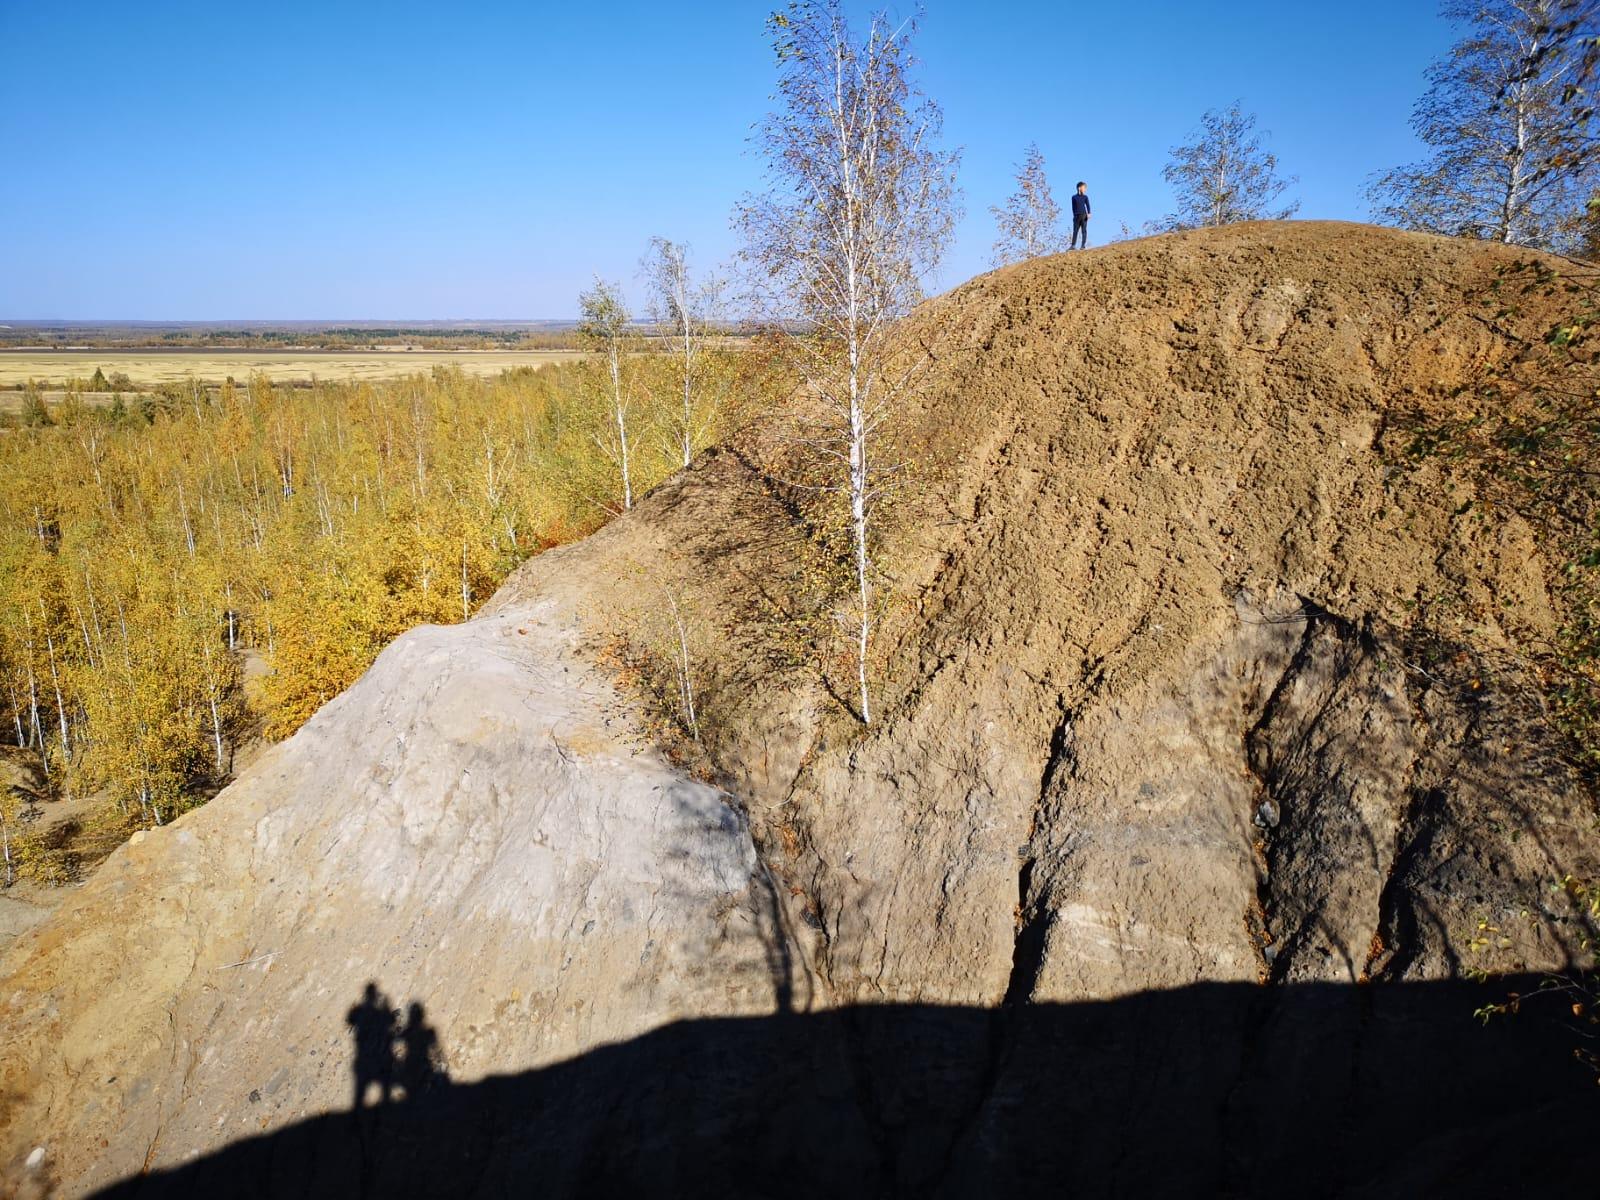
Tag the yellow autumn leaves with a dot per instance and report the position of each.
(179, 573)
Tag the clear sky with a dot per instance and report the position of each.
(395, 160)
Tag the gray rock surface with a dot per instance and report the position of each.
(476, 826)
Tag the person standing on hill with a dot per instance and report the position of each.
(1080, 215)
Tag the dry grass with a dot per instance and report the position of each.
(149, 369)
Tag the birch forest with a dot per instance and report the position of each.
(185, 574)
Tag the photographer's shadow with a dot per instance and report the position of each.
(401, 1062)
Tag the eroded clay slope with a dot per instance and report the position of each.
(476, 826)
(1194, 674)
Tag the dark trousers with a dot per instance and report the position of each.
(1080, 225)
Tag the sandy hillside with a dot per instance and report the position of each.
(1192, 665)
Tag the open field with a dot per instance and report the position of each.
(152, 368)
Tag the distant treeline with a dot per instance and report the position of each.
(556, 336)
(289, 336)
(358, 337)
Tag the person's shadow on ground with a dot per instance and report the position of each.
(389, 1057)
(421, 1068)
(372, 1025)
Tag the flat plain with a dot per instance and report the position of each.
(51, 369)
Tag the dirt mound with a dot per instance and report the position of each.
(1194, 678)
(1187, 682)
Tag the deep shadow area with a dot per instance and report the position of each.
(1214, 1089)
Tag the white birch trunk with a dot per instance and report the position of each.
(216, 730)
(685, 679)
(61, 704)
(688, 375)
(16, 713)
(5, 843)
(619, 411)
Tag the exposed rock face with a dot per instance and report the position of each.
(477, 819)
(1190, 687)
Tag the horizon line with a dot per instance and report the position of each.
(288, 320)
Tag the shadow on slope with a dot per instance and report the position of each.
(1318, 1090)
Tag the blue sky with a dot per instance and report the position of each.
(301, 161)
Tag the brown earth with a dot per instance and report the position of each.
(1196, 704)
(1187, 653)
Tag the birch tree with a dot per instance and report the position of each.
(857, 211)
(1225, 174)
(1511, 158)
(1589, 231)
(688, 309)
(146, 564)
(1029, 220)
(603, 327)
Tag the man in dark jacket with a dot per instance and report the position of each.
(1080, 215)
